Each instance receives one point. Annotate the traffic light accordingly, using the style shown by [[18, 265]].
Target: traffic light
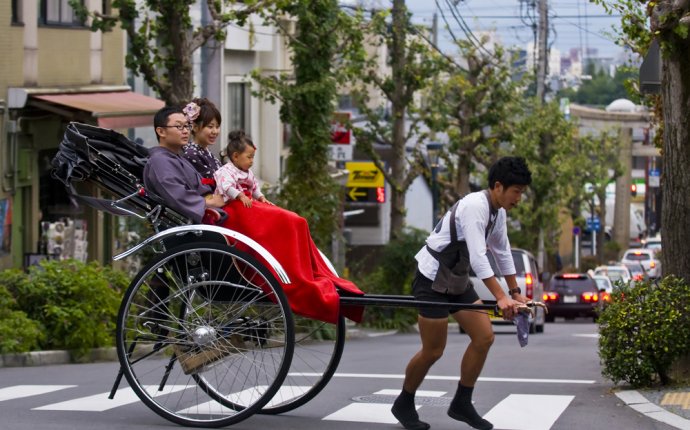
[[633, 190]]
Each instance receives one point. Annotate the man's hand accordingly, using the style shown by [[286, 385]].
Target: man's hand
[[520, 298], [214, 200], [508, 307]]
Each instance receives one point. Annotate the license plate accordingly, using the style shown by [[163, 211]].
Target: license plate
[[494, 315], [569, 299]]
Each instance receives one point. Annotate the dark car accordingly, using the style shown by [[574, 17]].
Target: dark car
[[571, 295]]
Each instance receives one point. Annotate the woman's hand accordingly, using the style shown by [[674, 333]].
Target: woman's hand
[[245, 200]]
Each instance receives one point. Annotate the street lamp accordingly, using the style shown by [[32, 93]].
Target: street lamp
[[433, 152]]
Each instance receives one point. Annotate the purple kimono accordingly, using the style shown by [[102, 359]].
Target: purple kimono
[[175, 180], [202, 159]]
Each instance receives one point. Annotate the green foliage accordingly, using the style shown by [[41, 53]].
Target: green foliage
[[307, 100], [601, 89], [76, 304], [388, 100], [393, 276], [18, 333], [644, 330], [473, 108]]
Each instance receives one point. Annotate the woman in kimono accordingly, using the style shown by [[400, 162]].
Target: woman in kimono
[[204, 117]]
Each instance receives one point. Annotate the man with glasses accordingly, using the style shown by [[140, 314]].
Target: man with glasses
[[170, 176]]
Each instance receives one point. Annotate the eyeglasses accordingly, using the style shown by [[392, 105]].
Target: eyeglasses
[[180, 127]]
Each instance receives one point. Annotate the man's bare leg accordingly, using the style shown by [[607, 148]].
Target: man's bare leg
[[478, 326], [433, 333]]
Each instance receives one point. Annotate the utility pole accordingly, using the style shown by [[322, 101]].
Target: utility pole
[[542, 48], [542, 67]]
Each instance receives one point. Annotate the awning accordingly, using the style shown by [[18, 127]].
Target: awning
[[120, 109]]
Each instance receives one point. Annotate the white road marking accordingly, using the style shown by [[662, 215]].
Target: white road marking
[[419, 393], [528, 411], [455, 378], [101, 402], [365, 413], [20, 391], [247, 397], [592, 335]]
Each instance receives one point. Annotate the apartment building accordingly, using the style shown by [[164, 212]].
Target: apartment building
[[55, 70]]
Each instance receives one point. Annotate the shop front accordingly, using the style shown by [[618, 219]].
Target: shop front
[[38, 218]]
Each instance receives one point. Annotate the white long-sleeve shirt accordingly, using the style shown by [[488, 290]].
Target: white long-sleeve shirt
[[231, 181], [471, 219]]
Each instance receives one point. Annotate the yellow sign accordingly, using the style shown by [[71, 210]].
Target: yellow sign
[[354, 194], [364, 174]]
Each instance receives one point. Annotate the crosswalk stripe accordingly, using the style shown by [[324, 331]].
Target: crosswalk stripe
[[364, 412], [528, 411], [100, 402], [20, 391], [244, 397], [418, 393]]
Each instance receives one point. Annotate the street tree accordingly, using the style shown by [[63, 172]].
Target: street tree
[[389, 98], [556, 172], [307, 95], [162, 37], [668, 21], [473, 107]]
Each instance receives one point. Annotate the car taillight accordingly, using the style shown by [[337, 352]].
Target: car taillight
[[550, 297], [652, 265], [605, 297], [529, 285], [590, 297], [637, 277]]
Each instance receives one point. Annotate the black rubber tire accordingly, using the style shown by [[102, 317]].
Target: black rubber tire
[[221, 310]]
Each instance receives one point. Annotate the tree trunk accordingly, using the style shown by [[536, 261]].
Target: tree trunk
[[398, 56], [462, 175], [675, 184]]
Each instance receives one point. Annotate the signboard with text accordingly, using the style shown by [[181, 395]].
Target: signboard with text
[[340, 148]]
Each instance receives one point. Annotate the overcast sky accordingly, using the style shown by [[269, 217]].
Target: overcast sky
[[575, 23]]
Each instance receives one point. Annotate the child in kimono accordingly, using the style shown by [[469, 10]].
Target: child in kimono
[[235, 180]]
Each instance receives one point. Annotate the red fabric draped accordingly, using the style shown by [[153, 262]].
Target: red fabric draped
[[312, 291]]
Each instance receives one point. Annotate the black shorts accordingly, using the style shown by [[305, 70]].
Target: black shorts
[[421, 290]]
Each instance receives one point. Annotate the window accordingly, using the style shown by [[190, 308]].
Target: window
[[238, 107], [17, 15], [58, 12]]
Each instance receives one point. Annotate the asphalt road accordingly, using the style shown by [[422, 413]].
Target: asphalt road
[[553, 383]]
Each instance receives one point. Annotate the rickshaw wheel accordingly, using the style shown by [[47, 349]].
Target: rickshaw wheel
[[318, 349], [201, 327]]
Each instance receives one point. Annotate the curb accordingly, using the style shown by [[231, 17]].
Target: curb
[[640, 403], [46, 358]]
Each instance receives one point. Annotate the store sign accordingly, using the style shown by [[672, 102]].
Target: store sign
[[364, 174]]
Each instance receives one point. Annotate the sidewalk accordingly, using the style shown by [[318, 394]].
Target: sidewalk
[[670, 406]]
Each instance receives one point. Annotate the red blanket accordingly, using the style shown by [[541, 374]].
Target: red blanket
[[312, 291]]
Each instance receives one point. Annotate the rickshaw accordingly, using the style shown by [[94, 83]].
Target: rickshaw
[[205, 335]]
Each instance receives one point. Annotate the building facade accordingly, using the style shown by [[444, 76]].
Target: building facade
[[54, 71]]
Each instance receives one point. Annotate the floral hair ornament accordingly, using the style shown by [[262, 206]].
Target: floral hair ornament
[[192, 111]]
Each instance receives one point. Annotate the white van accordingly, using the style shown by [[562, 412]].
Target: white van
[[527, 276]]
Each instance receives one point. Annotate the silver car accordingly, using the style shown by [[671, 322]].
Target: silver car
[[527, 277]]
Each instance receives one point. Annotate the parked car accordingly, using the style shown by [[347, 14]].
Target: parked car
[[615, 272], [646, 257], [571, 295], [527, 277]]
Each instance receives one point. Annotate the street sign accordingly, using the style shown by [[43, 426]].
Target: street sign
[[364, 175], [340, 152], [594, 224], [576, 231], [340, 148], [365, 194], [654, 179]]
